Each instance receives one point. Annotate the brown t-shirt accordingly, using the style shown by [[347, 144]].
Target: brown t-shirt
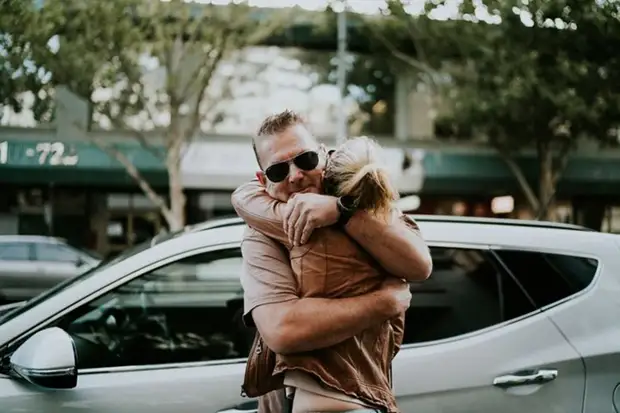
[[266, 276]]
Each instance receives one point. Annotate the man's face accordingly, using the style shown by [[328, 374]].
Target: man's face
[[285, 147]]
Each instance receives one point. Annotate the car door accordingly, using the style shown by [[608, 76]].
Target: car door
[[581, 297], [171, 339], [17, 271], [475, 342]]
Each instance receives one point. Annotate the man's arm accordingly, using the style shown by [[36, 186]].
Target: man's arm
[[260, 211], [290, 324]]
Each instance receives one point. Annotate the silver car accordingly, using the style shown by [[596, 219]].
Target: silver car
[[517, 316], [32, 264]]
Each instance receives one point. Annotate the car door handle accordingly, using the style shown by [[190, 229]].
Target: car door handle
[[525, 378]]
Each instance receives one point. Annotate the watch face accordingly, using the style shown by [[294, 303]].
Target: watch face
[[348, 202]]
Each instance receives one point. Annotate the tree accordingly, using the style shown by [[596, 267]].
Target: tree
[[537, 74], [151, 67], [370, 76], [16, 75]]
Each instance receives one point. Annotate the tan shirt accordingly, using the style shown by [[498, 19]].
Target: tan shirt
[[267, 276]]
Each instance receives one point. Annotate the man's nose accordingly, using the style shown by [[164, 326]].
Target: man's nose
[[295, 174]]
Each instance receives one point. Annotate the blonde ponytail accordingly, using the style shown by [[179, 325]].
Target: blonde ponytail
[[355, 170]]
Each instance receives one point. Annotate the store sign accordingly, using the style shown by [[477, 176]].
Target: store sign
[[83, 155], [42, 153]]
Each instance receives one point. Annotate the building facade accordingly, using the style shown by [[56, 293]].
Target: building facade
[[73, 189]]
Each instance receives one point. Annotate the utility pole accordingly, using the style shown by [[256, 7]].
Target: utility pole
[[342, 129]]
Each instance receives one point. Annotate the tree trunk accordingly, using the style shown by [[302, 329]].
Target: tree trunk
[[175, 183], [547, 183], [177, 199], [550, 172], [139, 179], [516, 170]]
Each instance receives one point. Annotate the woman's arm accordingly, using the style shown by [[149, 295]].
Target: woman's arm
[[397, 245]]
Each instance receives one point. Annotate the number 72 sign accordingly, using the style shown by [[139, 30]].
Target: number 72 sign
[[50, 153], [45, 153]]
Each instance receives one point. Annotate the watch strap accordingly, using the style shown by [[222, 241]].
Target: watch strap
[[346, 210]]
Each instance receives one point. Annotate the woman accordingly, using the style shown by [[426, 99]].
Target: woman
[[332, 265]]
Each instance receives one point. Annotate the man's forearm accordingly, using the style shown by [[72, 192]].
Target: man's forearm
[[397, 245], [314, 323]]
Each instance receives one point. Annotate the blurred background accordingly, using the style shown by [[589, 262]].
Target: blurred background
[[121, 119]]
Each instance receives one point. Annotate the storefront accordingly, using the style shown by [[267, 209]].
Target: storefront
[[74, 190]]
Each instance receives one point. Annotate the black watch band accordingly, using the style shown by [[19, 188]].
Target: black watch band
[[346, 208]]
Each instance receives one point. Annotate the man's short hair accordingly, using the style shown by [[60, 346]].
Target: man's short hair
[[276, 123]]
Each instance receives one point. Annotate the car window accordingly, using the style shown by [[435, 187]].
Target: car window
[[549, 278], [15, 251], [467, 291], [55, 253], [186, 311]]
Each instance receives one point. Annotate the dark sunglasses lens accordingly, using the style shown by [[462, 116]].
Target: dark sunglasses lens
[[277, 172], [307, 160]]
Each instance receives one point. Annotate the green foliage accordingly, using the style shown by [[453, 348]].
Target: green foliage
[[370, 77], [520, 73], [540, 73], [141, 64], [16, 75], [107, 45]]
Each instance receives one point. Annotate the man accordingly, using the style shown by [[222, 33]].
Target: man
[[287, 323]]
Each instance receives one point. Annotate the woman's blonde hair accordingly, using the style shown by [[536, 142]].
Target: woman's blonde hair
[[356, 169]]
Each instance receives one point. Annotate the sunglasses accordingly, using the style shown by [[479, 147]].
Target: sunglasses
[[305, 161]]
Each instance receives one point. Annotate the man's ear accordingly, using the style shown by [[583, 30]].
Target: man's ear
[[260, 175]]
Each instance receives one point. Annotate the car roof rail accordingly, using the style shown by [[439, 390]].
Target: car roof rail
[[201, 226], [215, 223], [234, 221], [498, 221]]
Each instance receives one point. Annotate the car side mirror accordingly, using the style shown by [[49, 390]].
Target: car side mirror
[[47, 359]]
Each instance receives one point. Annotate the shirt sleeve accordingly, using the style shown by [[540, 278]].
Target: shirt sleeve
[[266, 276], [260, 211]]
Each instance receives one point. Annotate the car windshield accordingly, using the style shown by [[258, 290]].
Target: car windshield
[[68, 283]]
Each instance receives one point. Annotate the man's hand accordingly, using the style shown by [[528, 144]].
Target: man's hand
[[398, 295], [306, 212]]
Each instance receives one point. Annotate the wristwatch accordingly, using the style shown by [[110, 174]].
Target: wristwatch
[[346, 208]]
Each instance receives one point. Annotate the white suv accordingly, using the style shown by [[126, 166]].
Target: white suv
[[517, 316]]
